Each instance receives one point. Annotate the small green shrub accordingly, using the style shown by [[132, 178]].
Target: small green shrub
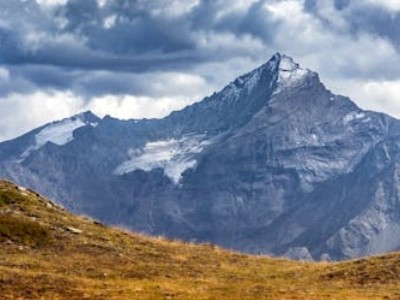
[[5, 199], [10, 197]]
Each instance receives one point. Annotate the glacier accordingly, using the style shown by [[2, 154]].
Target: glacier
[[173, 156], [59, 133]]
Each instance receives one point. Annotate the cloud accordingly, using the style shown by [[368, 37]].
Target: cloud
[[51, 2], [381, 95], [390, 5], [19, 114], [378, 18], [127, 107], [4, 74], [375, 95]]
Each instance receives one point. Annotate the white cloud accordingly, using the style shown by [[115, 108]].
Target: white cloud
[[327, 10], [170, 91], [101, 3], [229, 7], [109, 21], [128, 107], [297, 32], [4, 74], [381, 96], [176, 84], [171, 8], [362, 58], [219, 42], [391, 5], [51, 2], [21, 113]]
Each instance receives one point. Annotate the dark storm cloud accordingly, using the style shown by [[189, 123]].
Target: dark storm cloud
[[377, 20], [363, 17], [255, 21], [121, 36], [135, 29], [157, 38], [136, 41], [10, 46]]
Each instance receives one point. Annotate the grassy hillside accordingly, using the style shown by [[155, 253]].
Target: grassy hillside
[[48, 253]]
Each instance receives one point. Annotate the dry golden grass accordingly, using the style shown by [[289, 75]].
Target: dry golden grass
[[48, 253]]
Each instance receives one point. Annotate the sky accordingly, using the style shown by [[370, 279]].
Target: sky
[[146, 58]]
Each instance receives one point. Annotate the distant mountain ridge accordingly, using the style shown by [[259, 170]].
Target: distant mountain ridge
[[274, 163]]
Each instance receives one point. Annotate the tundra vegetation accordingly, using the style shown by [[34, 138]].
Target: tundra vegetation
[[48, 253]]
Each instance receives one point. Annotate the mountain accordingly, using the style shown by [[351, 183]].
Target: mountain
[[48, 253], [274, 163]]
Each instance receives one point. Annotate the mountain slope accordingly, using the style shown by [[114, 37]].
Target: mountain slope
[[48, 253], [274, 163]]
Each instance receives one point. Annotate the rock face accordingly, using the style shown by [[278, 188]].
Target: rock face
[[274, 163]]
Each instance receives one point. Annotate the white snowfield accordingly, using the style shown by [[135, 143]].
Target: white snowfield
[[174, 156], [290, 73], [59, 133], [353, 116]]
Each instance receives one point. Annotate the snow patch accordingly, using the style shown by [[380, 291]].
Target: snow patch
[[174, 156], [366, 120], [353, 116], [59, 133], [290, 74], [247, 82], [314, 137], [252, 80], [287, 64]]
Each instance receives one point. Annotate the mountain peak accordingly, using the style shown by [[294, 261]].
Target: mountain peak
[[58, 132], [290, 73], [287, 64], [87, 116]]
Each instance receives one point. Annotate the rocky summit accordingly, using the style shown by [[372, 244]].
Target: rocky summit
[[274, 163]]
